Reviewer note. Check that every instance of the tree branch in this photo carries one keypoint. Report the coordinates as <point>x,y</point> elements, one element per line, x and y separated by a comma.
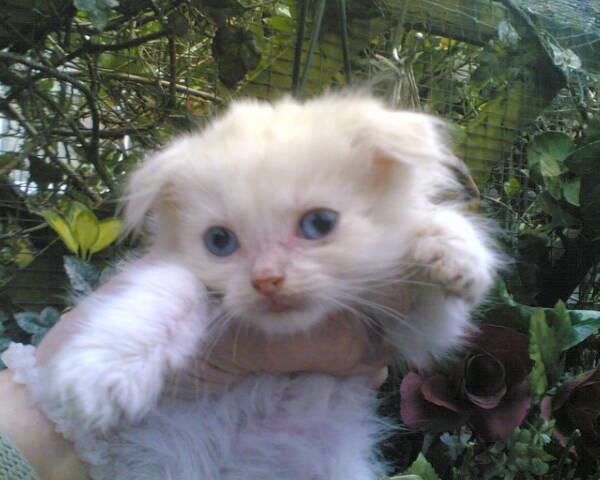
<point>91,101</point>
<point>163,83</point>
<point>52,154</point>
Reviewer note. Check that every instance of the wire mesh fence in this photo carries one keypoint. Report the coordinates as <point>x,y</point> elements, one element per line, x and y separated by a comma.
<point>85,93</point>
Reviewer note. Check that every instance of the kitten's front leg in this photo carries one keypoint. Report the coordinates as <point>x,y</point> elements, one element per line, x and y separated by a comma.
<point>456,263</point>
<point>144,325</point>
<point>452,251</point>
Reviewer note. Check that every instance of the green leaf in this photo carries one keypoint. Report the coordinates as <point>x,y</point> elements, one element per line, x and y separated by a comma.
<point>4,343</point>
<point>109,231</point>
<point>537,333</point>
<point>546,345</point>
<point>3,319</point>
<point>512,187</point>
<point>571,189</point>
<point>85,227</point>
<point>29,322</point>
<point>547,151</point>
<point>48,317</point>
<point>585,324</point>
<point>61,227</point>
<point>423,469</point>
<point>98,11</point>
<point>8,161</point>
<point>585,160</point>
<point>561,217</point>
<point>561,325</point>
<point>589,198</point>
<point>83,276</point>
<point>593,129</point>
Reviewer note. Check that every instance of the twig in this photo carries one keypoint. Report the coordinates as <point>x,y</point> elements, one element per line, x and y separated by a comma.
<point>25,231</point>
<point>172,72</point>
<point>95,115</point>
<point>52,154</point>
<point>164,83</point>
<point>565,453</point>
<point>90,47</point>
<point>111,134</point>
<point>54,106</point>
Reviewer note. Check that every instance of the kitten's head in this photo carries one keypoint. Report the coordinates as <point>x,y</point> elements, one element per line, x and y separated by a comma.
<point>292,211</point>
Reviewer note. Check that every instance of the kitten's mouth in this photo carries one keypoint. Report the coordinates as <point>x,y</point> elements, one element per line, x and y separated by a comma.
<point>283,305</point>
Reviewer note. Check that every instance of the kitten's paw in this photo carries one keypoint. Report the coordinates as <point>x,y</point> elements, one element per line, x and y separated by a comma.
<point>101,389</point>
<point>451,253</point>
<point>145,328</point>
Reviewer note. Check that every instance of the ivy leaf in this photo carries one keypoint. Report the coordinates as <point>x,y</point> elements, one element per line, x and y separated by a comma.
<point>584,160</point>
<point>585,324</point>
<point>29,322</point>
<point>571,189</point>
<point>97,10</point>
<point>547,151</point>
<point>560,216</point>
<point>37,324</point>
<point>422,469</point>
<point>4,343</point>
<point>83,276</point>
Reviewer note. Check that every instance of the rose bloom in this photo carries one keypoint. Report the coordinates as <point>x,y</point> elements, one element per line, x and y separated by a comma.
<point>488,389</point>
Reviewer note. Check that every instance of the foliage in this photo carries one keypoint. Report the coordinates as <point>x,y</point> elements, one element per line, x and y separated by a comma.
<point>81,231</point>
<point>563,386</point>
<point>86,95</point>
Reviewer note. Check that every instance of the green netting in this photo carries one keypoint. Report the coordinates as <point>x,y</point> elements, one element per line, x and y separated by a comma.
<point>85,92</point>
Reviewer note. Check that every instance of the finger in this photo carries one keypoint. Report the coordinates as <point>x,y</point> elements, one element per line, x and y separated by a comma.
<point>379,377</point>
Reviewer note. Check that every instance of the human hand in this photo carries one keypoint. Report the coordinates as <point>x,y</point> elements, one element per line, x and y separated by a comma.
<point>341,345</point>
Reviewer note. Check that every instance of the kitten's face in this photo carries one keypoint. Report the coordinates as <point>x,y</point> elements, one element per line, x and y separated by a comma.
<point>284,215</point>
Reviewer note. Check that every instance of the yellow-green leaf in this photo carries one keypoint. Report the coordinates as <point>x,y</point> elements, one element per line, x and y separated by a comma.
<point>61,227</point>
<point>75,209</point>
<point>109,231</point>
<point>86,231</point>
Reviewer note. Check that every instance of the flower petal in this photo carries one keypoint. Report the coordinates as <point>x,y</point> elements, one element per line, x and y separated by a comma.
<point>440,391</point>
<point>499,423</point>
<point>419,414</point>
<point>484,380</point>
<point>509,347</point>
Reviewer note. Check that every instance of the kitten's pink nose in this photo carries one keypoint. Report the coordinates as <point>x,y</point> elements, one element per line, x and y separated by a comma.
<point>267,285</point>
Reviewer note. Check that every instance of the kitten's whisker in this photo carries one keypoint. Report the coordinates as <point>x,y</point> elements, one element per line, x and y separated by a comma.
<point>388,311</point>
<point>370,322</point>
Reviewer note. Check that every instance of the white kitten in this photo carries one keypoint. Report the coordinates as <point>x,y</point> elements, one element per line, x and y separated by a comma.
<point>285,212</point>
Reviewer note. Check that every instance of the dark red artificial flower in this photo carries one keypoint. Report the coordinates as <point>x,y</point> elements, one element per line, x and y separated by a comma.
<point>577,405</point>
<point>488,389</point>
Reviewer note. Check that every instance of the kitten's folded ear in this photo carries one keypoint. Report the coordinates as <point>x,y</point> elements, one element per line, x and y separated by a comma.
<point>148,188</point>
<point>410,146</point>
<point>407,137</point>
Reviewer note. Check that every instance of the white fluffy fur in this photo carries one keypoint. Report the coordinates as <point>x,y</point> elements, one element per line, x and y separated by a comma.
<point>413,266</point>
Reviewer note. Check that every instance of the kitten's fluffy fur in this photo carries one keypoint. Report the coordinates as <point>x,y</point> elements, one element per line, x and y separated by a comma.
<point>412,266</point>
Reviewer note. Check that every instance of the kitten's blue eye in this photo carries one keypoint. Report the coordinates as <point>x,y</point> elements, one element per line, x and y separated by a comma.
<point>318,223</point>
<point>220,241</point>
